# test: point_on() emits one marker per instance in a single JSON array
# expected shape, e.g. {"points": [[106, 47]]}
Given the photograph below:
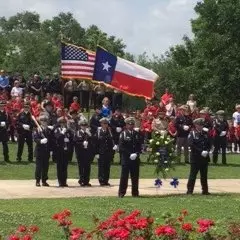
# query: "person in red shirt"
{"points": [[166, 96], [231, 138], [18, 105], [75, 106], [172, 131]]}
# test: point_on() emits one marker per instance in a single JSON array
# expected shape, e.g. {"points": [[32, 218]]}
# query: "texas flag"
{"points": [[123, 75]]}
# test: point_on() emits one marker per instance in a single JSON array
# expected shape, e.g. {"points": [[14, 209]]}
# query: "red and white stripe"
{"points": [[78, 69]]}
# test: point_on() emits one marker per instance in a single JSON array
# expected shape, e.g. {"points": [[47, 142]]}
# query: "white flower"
{"points": [[162, 137], [151, 141], [170, 154], [156, 132], [166, 142], [166, 169], [157, 153], [156, 161], [165, 161], [157, 143]]}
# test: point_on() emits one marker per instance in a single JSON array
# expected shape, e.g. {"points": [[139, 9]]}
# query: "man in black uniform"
{"points": [[24, 128], [83, 148], [183, 125], [63, 138], [94, 120], [42, 151], [105, 147], [117, 124], [220, 127], [129, 149], [4, 124], [200, 146]]}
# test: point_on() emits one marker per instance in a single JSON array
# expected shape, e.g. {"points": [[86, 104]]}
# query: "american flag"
{"points": [[77, 62]]}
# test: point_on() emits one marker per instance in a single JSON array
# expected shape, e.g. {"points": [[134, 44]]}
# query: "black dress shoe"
{"points": [[206, 193], [18, 160], [65, 185], [30, 160], [135, 195], [45, 184], [87, 184], [189, 193], [7, 160], [120, 195], [38, 184], [108, 184]]}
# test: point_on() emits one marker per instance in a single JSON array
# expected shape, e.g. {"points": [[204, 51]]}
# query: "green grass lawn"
{"points": [[221, 208], [25, 170]]}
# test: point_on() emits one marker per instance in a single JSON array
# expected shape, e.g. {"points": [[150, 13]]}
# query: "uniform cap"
{"points": [[130, 120], [104, 120], [83, 122], [47, 103], [237, 106], [220, 112], [198, 121], [3, 103], [43, 117], [204, 111], [61, 120], [183, 107]]}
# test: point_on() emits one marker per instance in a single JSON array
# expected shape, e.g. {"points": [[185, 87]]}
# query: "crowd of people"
{"points": [[50, 112]]}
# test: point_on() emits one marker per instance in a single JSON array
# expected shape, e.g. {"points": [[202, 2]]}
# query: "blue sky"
{"points": [[144, 25]]}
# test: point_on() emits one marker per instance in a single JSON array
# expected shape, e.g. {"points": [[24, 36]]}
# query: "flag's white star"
{"points": [[106, 66]]}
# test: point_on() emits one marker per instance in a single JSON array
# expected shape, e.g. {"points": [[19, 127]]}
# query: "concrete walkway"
{"points": [[15, 189]]}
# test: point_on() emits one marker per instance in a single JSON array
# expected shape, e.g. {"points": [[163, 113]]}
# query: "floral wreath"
{"points": [[163, 156]]}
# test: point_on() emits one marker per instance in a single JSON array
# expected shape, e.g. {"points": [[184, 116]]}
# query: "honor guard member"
{"points": [[95, 120], [199, 158], [220, 127], [42, 151], [117, 124], [105, 147], [4, 124], [183, 125], [83, 148], [52, 123], [63, 137], [129, 149], [25, 126]]}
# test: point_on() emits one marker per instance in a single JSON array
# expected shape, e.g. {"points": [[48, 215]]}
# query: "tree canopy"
{"points": [[207, 65]]}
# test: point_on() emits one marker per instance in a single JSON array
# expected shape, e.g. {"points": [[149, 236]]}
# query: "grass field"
{"points": [[25, 170], [221, 208]]}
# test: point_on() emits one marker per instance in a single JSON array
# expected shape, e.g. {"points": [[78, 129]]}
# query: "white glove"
{"points": [[118, 129], [97, 156], [133, 156], [223, 133], [136, 129], [26, 127], [3, 124], [64, 131], [205, 129], [50, 127], [204, 154], [85, 144], [186, 128], [115, 147], [43, 141], [66, 140]]}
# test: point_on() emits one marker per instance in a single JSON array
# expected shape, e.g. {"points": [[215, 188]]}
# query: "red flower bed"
{"points": [[133, 226]]}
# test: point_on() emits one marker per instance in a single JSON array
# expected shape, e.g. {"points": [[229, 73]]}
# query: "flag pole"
{"points": [[89, 101]]}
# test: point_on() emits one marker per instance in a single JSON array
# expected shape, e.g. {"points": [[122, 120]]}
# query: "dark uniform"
{"points": [[129, 149], [63, 138], [42, 152], [83, 149], [4, 124], [52, 124], [25, 126], [104, 147], [94, 122], [182, 134], [220, 138], [200, 146]]}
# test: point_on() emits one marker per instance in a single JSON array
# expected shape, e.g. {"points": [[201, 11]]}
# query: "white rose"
{"points": [[158, 154], [151, 141], [156, 161], [166, 169], [157, 143]]}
